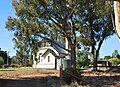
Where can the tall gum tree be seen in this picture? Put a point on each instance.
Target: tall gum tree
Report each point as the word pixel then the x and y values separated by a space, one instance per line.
pixel 42 18
pixel 38 19
pixel 96 26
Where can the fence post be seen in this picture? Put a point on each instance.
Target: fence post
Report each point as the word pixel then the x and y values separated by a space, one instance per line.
pixel 61 67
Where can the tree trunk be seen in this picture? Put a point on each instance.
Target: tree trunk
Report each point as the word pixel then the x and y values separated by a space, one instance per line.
pixel 117 17
pixel 94 59
pixel 73 56
pixel 96 54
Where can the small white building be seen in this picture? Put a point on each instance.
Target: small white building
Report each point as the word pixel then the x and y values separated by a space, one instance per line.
pixel 50 56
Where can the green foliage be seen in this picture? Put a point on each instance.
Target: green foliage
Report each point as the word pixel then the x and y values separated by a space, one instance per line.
pixel 96 25
pixel 107 57
pixel 118 56
pixel 22 61
pixel 3 54
pixel 30 60
pixel 51 19
pixel 115 54
pixel 46 19
pixel 73 71
pixel 114 61
pixel 82 59
pixel 1 62
pixel 16 60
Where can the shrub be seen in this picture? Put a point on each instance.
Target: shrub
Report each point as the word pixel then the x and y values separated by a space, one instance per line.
pixel 114 61
pixel 14 65
pixel 107 57
pixel 1 62
pixel 67 74
pixel 5 66
pixel 53 82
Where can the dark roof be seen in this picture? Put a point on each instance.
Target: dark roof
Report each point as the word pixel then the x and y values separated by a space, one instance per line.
pixel 59 49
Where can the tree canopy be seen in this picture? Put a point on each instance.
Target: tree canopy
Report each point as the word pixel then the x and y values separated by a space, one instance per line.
pixel 96 26
pixel 4 55
pixel 70 19
pixel 115 54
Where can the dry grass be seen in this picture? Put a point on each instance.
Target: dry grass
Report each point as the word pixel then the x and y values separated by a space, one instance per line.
pixel 110 78
pixel 13 73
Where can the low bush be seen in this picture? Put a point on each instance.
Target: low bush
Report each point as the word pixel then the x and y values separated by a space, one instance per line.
pixel 5 66
pixel 53 82
pixel 114 61
pixel 14 65
pixel 1 62
pixel 70 74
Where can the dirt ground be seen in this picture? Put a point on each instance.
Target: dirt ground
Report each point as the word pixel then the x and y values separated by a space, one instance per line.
pixel 102 79
pixel 27 77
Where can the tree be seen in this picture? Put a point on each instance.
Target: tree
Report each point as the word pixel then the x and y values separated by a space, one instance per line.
pixel 114 61
pixel 1 62
pixel 4 55
pixel 107 57
pixel 38 19
pixel 41 19
pixel 115 54
pixel 82 58
pixel 96 26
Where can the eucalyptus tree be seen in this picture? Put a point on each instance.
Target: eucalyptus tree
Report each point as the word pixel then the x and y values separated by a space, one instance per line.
pixel 96 25
pixel 4 55
pixel 38 19
pixel 115 54
pixel 23 40
pixel 43 18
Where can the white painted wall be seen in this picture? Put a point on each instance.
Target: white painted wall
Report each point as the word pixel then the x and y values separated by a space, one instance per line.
pixel 45 64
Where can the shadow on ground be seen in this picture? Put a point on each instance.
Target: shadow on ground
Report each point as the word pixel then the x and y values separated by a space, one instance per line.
pixel 92 81
pixel 25 82
pixel 7 70
pixel 102 81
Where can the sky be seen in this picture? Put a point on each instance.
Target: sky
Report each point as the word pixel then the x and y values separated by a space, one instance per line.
pixel 6 44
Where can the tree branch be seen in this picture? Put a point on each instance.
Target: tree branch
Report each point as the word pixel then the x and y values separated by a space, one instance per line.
pixel 54 42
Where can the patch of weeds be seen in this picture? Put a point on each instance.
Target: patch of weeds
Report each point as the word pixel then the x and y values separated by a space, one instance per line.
pixel 53 82
pixel 70 74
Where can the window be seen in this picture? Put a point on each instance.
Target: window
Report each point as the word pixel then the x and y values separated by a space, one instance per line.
pixel 48 58
pixel 39 56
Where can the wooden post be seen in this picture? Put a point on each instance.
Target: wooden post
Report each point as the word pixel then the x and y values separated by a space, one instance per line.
pixel 61 67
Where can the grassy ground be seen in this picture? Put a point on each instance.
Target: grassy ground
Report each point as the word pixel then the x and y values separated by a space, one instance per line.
pixel 22 72
pixel 25 77
pixel 29 77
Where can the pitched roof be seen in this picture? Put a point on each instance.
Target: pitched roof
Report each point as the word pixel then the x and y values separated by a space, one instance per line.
pixel 53 47
pixel 59 49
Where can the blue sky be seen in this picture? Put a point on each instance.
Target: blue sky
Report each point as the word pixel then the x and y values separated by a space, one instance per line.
pixel 6 36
